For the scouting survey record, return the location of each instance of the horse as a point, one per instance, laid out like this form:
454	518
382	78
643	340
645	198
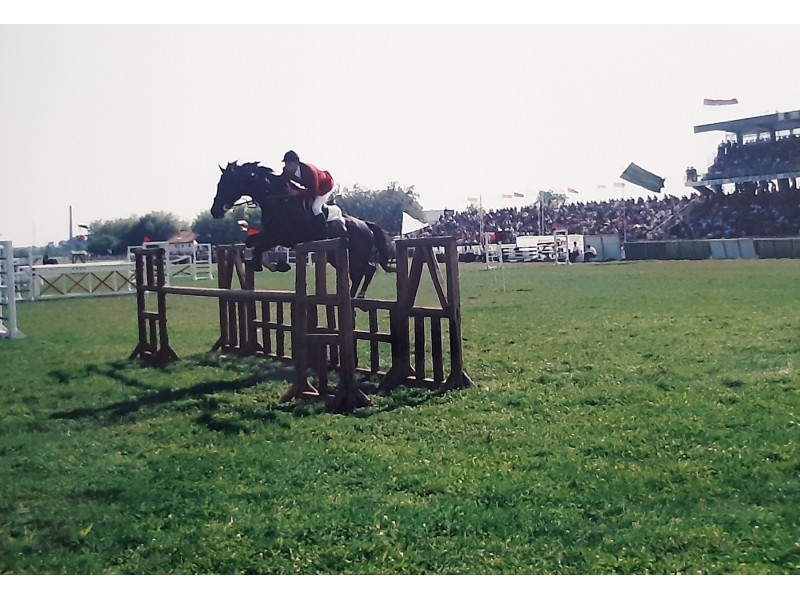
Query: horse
285	223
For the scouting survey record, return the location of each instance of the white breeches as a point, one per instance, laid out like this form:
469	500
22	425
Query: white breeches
334	212
316	205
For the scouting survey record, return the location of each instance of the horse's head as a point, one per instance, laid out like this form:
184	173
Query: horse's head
229	190
248	179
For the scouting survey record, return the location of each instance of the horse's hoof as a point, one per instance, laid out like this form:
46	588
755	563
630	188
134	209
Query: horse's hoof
283	267
255	265
271	267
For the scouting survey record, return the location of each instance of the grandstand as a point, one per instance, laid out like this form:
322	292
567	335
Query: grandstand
761	152
750	190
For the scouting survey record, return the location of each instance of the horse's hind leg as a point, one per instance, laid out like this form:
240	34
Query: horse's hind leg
355	282
369	273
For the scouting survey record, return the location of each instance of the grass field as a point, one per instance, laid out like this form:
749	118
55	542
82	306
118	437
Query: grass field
626	418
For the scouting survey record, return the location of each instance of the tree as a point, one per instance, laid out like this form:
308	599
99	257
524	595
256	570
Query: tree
119	234
384	207
102	244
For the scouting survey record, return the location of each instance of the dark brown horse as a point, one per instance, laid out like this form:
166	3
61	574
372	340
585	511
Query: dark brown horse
284	222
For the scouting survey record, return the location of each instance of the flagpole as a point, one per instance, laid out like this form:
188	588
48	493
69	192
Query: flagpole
480	216
624	212
624	222
541	216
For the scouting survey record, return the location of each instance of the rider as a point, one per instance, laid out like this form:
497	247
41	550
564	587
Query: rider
316	186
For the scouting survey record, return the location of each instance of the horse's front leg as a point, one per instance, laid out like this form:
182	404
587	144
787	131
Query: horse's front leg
255	247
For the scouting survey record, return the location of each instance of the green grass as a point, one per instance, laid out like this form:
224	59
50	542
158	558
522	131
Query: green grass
626	418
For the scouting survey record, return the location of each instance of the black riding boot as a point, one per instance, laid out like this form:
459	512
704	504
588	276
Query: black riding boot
320	227
250	258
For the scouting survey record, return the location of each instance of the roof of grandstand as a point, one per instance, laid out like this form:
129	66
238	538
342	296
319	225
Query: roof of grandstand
779	121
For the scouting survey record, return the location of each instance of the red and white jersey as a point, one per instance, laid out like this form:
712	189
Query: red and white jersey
316	182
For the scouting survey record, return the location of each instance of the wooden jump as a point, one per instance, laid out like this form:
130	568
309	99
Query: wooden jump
414	256
422	344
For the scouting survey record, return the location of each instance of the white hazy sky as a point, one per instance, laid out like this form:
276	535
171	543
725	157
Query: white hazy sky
121	120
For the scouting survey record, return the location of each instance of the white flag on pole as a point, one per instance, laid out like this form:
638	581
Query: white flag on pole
410	224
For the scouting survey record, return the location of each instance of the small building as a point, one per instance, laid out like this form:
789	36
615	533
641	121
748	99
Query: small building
183	242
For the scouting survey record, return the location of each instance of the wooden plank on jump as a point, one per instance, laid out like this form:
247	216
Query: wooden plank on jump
233	295
419	347
280	336
427	311
437	357
458	377
266	336
153	346
373	336
436	276
374	349
367	304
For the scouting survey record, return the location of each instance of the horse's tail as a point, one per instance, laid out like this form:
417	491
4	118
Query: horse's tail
387	253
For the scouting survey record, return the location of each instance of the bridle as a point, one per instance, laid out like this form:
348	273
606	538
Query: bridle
242	201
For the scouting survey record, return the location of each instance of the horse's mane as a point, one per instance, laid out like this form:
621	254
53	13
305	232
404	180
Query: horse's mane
255	167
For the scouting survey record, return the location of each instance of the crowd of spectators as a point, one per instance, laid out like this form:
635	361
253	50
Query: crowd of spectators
631	219
751	211
757	157
748	212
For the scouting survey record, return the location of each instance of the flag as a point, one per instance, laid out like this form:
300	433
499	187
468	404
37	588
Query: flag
251	231
410	224
146	239
637	175
83	226
472	201
571	191
518	195
618	184
710	102
506	196
601	187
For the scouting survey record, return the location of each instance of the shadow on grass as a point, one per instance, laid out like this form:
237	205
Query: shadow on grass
401	397
223	416
252	372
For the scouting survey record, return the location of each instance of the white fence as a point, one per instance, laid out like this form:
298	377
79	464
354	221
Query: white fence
541	248
102	278
197	263
8	293
42	282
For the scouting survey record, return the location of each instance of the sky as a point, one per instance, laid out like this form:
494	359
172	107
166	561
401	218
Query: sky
118	120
